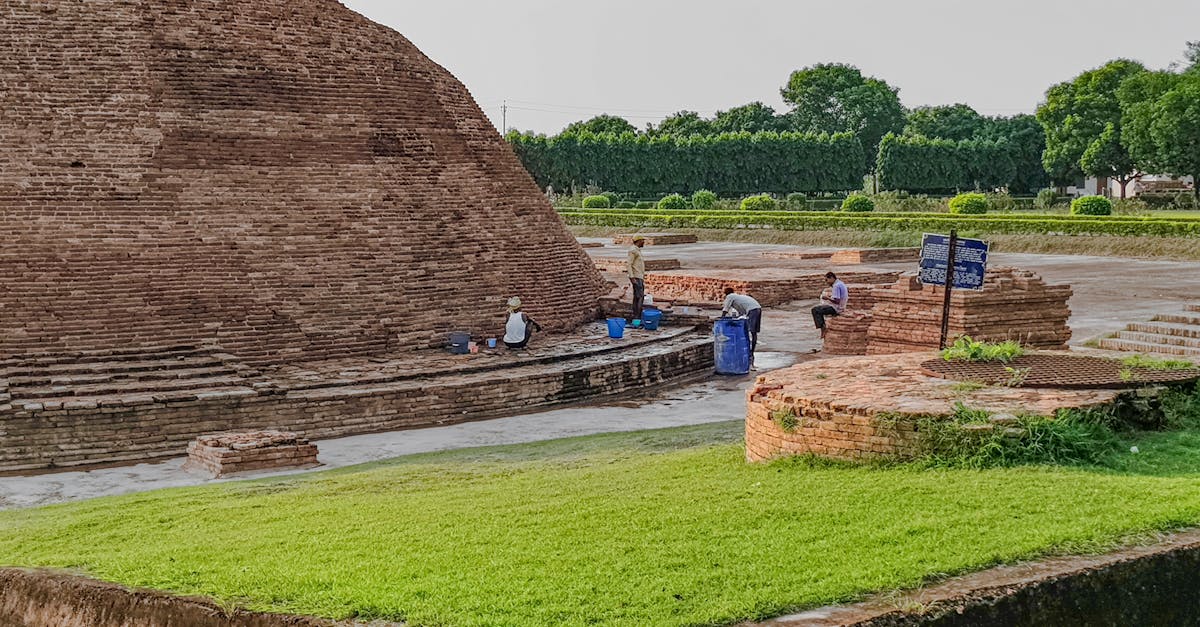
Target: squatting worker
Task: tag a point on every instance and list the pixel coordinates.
(519, 327)
(749, 308)
(833, 301)
(637, 275)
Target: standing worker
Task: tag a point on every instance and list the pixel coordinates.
(637, 276)
(751, 310)
(833, 301)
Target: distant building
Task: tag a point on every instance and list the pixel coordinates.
(1147, 183)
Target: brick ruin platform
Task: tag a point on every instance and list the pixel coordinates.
(856, 408)
(128, 406)
(226, 454)
(846, 334)
(769, 286)
(1014, 304)
(850, 256)
(656, 239)
(620, 265)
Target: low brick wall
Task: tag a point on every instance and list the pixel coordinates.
(621, 265)
(656, 239)
(226, 454)
(770, 287)
(855, 408)
(142, 428)
(875, 255)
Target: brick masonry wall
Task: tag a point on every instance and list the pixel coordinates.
(708, 287)
(282, 178)
(89, 433)
(821, 429)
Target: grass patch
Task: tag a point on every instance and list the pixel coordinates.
(1154, 363)
(1173, 248)
(966, 349)
(667, 527)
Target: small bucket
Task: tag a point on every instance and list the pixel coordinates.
(650, 319)
(616, 328)
(491, 342)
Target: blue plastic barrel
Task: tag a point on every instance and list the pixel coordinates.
(460, 342)
(616, 328)
(731, 346)
(651, 318)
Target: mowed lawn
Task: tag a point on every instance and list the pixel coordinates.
(666, 527)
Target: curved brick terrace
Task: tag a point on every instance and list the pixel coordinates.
(120, 407)
(838, 404)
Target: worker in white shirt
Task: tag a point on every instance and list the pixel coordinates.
(748, 308)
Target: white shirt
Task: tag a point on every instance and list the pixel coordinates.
(739, 303)
(514, 329)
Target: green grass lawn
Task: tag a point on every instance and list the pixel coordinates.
(666, 527)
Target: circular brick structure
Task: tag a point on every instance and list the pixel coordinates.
(861, 407)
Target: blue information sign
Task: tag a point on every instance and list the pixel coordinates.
(970, 261)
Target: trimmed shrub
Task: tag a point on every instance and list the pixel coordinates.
(613, 198)
(596, 202)
(644, 204)
(672, 201)
(625, 204)
(858, 202)
(796, 201)
(1046, 198)
(1091, 206)
(704, 199)
(761, 202)
(970, 204)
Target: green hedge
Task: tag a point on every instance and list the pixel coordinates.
(597, 202)
(1091, 206)
(760, 202)
(938, 223)
(858, 203)
(730, 164)
(969, 204)
(920, 164)
(912, 214)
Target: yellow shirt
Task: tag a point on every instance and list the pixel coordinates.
(637, 265)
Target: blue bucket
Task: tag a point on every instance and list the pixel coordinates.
(731, 346)
(616, 328)
(651, 318)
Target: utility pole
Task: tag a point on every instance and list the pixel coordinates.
(503, 117)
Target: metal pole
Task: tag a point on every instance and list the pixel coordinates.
(503, 117)
(948, 289)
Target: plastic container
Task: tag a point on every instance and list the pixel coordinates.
(616, 328)
(731, 346)
(650, 319)
(491, 342)
(460, 342)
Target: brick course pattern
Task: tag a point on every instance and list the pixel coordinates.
(838, 406)
(769, 286)
(283, 179)
(227, 454)
(615, 265)
(846, 334)
(1014, 304)
(875, 255)
(656, 239)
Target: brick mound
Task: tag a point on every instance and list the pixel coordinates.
(875, 255)
(861, 407)
(656, 239)
(1013, 305)
(803, 255)
(1053, 370)
(233, 453)
(846, 334)
(769, 286)
(151, 409)
(299, 183)
(620, 265)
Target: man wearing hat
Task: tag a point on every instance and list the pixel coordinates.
(519, 327)
(637, 275)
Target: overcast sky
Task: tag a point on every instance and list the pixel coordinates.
(557, 61)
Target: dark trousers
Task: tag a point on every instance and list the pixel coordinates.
(820, 311)
(639, 295)
(524, 341)
(753, 326)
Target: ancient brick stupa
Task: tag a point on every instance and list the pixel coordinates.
(282, 179)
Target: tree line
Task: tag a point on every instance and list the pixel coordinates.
(1117, 121)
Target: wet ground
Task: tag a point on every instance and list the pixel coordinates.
(1108, 293)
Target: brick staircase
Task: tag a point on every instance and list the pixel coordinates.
(1166, 334)
(160, 374)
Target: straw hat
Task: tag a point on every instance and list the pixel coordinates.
(514, 303)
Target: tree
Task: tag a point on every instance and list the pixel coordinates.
(1106, 157)
(1175, 129)
(954, 122)
(834, 98)
(601, 124)
(1137, 97)
(1191, 56)
(755, 117)
(1076, 113)
(681, 124)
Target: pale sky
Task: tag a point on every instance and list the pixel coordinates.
(557, 61)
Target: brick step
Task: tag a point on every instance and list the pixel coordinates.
(1155, 338)
(1178, 319)
(1193, 307)
(136, 387)
(1115, 344)
(133, 354)
(1165, 328)
(108, 367)
(121, 377)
